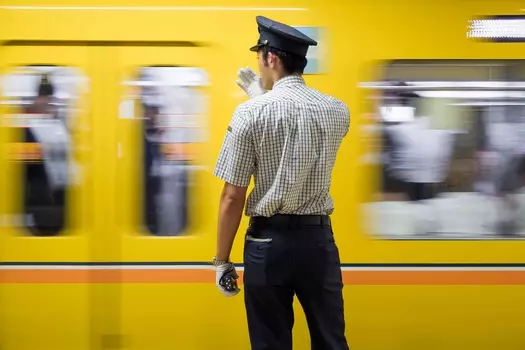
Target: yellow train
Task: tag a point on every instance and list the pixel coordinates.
(87, 261)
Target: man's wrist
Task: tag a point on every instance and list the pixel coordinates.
(218, 260)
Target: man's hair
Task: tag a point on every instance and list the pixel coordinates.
(291, 63)
(405, 98)
(45, 88)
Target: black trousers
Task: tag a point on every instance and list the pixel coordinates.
(287, 255)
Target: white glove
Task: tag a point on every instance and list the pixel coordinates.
(250, 82)
(226, 279)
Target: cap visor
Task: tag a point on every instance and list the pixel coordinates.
(256, 47)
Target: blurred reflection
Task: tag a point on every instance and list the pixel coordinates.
(172, 113)
(452, 151)
(501, 151)
(416, 157)
(40, 101)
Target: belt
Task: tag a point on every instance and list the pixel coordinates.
(292, 220)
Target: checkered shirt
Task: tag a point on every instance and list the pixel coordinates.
(287, 139)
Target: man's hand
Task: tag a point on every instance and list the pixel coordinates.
(226, 279)
(250, 82)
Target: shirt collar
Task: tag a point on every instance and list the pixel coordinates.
(287, 81)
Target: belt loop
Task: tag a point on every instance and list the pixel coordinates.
(323, 223)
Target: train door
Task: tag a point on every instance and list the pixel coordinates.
(45, 124)
(163, 180)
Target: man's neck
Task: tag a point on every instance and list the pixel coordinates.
(279, 76)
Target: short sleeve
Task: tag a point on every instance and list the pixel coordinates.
(347, 120)
(236, 161)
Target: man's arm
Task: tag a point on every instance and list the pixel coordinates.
(235, 167)
(230, 212)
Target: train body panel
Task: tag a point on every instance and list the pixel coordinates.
(96, 266)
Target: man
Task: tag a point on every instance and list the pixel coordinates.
(500, 150)
(151, 156)
(45, 181)
(418, 156)
(393, 186)
(287, 139)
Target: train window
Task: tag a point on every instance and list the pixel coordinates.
(451, 155)
(41, 103)
(315, 55)
(171, 105)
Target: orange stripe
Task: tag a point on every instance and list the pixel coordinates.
(208, 276)
(434, 277)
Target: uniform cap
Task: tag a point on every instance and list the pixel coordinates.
(282, 37)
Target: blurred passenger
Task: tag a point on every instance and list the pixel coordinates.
(393, 186)
(44, 203)
(417, 156)
(152, 155)
(166, 177)
(501, 150)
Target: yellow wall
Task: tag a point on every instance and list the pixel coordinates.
(440, 314)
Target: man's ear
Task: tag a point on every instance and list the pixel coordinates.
(272, 60)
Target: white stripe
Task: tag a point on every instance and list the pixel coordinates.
(151, 8)
(429, 268)
(209, 267)
(107, 267)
